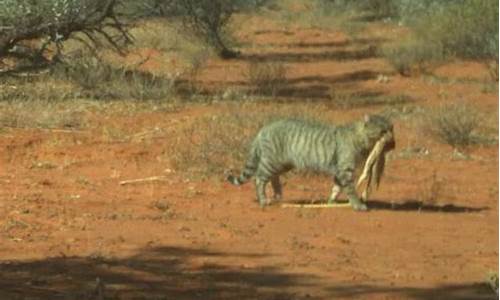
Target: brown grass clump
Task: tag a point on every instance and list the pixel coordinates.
(216, 143)
(349, 100)
(41, 114)
(267, 78)
(98, 79)
(458, 125)
(411, 55)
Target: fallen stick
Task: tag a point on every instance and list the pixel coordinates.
(141, 180)
(144, 133)
(323, 205)
(47, 129)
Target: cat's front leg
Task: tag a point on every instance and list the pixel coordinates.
(345, 178)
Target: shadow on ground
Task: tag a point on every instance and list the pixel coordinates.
(315, 88)
(166, 273)
(468, 291)
(450, 292)
(156, 273)
(304, 57)
(373, 42)
(408, 205)
(310, 88)
(415, 205)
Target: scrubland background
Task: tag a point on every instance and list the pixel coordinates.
(119, 121)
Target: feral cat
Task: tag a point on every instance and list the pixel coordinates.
(336, 150)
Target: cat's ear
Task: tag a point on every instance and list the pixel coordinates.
(366, 118)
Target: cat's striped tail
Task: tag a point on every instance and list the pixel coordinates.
(249, 169)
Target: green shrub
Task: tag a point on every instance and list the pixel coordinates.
(445, 30)
(466, 29)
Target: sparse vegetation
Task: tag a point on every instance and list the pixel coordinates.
(349, 100)
(113, 179)
(412, 55)
(430, 191)
(207, 20)
(455, 124)
(493, 69)
(87, 77)
(266, 78)
(213, 144)
(35, 88)
(35, 31)
(41, 114)
(465, 29)
(492, 281)
(98, 79)
(375, 9)
(451, 29)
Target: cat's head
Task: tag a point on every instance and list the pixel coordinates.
(375, 127)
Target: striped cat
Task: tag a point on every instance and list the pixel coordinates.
(336, 150)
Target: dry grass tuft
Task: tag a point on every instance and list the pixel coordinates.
(412, 56)
(42, 114)
(267, 78)
(98, 79)
(349, 100)
(458, 124)
(36, 88)
(214, 144)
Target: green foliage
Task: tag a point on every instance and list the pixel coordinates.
(443, 30)
(466, 29)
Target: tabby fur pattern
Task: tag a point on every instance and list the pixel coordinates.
(293, 143)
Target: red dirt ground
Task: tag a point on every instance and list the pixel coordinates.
(65, 220)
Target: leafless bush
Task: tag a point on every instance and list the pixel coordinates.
(455, 124)
(207, 20)
(35, 30)
(412, 55)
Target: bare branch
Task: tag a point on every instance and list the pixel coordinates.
(95, 19)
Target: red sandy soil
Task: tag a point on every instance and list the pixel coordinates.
(65, 220)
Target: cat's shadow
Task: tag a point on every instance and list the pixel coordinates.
(407, 205)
